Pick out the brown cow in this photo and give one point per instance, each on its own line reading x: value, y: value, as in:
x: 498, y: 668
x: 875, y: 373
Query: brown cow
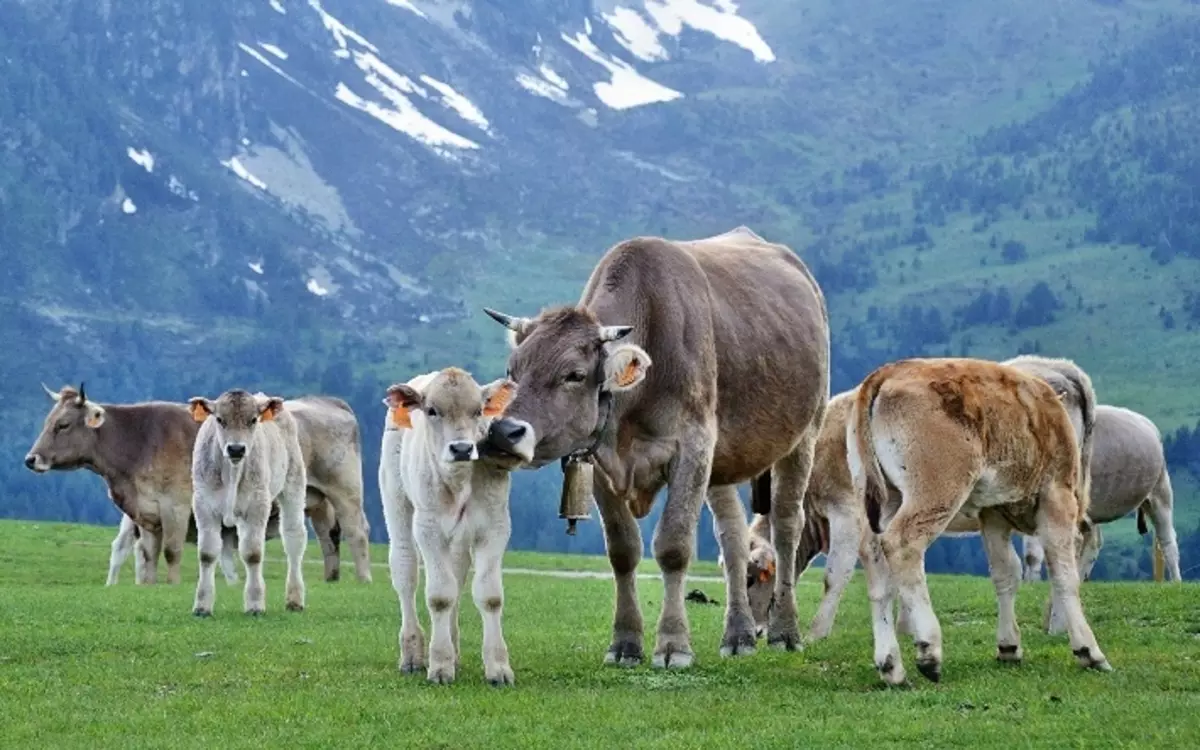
x: 982, y: 439
x: 738, y: 334
x: 143, y: 452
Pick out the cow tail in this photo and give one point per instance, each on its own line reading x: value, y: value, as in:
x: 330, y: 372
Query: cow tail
x: 1087, y: 408
x: 876, y: 487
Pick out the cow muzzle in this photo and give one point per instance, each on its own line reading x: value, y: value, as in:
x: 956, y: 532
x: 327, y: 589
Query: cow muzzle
x: 460, y: 450
x: 36, y: 463
x: 514, y: 437
x: 235, y: 451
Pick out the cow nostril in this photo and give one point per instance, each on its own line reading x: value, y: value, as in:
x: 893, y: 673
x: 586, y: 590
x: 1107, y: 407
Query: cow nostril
x: 515, y: 432
x: 462, y: 448
x: 30, y: 460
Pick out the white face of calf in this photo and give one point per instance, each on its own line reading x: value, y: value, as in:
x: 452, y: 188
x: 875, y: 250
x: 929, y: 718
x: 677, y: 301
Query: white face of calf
x: 237, y: 414
x: 454, y: 411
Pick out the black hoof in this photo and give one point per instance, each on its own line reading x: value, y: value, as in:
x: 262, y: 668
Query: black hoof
x: 624, y: 654
x: 255, y: 613
x: 202, y: 613
x: 931, y: 669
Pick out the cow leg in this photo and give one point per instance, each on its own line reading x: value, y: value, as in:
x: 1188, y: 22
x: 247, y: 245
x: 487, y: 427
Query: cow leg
x: 228, y: 544
x: 295, y: 535
x: 1005, y: 567
x: 252, y: 532
x: 402, y: 562
x: 675, y: 539
x: 208, y: 547
x: 348, y: 505
x: 174, y: 529
x: 321, y: 513
x: 882, y: 595
x: 441, y: 591
x: 729, y: 526
x: 1056, y: 528
x: 122, y: 545
x: 461, y: 564
x: 1034, y: 557
x: 488, y: 592
x: 789, y: 483
x: 845, y: 535
x: 623, y: 542
x: 1162, y: 501
x: 1087, y: 549
x: 149, y: 545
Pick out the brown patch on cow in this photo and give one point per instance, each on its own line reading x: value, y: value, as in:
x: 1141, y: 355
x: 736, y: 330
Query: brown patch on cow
x: 499, y: 400
x: 493, y: 604
x: 253, y: 558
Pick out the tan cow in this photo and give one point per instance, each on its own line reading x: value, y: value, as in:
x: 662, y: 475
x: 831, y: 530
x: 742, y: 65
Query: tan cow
x: 143, y: 453
x: 980, y: 438
x: 729, y: 377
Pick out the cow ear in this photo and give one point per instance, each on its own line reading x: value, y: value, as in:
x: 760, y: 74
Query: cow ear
x: 200, y: 408
x: 94, y: 417
x: 402, y: 399
x: 270, y: 409
x: 497, y: 396
x: 625, y: 367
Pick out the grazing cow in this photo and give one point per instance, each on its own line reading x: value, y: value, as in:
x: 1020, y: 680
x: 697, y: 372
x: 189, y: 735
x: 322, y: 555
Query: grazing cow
x: 982, y: 439
x: 143, y: 453
x: 737, y: 332
x: 437, y: 493
x: 246, y: 457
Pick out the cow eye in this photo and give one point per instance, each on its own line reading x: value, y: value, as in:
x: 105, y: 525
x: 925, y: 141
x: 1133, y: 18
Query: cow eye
x: 221, y: 421
x: 253, y: 421
x: 432, y: 412
x: 575, y: 377
x: 478, y: 413
x: 62, y: 426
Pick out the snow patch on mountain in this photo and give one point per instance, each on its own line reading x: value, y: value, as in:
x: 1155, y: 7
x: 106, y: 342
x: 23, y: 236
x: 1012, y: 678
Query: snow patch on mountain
x: 627, y: 87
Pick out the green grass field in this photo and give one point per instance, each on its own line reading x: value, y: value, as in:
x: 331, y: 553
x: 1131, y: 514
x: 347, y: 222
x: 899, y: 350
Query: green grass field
x: 82, y: 665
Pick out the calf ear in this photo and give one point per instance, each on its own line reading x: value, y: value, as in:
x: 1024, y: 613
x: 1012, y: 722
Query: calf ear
x: 200, y: 408
x: 270, y: 409
x: 402, y: 399
x: 95, y: 416
x: 625, y: 367
x: 497, y: 396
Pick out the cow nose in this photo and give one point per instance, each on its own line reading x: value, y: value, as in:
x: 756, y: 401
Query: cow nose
x: 513, y: 431
x: 236, y: 451
x: 461, y: 450
x: 30, y: 461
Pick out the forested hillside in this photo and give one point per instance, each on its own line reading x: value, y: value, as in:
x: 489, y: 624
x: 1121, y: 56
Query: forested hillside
x: 197, y: 198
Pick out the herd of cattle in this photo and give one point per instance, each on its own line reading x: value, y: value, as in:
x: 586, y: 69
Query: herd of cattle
x: 727, y: 383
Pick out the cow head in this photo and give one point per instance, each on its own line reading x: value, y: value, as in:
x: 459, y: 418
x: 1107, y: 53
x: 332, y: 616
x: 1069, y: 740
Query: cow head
x: 562, y: 361
x: 454, y: 410
x: 69, y: 435
x: 237, y: 414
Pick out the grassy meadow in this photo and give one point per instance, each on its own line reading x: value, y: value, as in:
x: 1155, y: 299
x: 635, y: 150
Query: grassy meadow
x: 82, y: 665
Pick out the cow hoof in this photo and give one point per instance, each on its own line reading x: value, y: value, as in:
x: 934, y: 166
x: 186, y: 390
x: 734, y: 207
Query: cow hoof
x: 785, y: 642
x: 441, y: 675
x: 931, y: 669
x: 255, y: 612
x: 1008, y: 654
x: 624, y: 654
x: 891, y: 671
x: 672, y: 659
x: 501, y: 676
x: 741, y: 644
x: 295, y: 607
x: 333, y: 576
x: 201, y: 612
x: 411, y: 665
x: 1088, y: 661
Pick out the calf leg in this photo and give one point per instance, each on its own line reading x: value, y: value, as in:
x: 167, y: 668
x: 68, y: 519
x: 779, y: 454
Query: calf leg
x: 1005, y: 567
x: 1057, y: 520
x: 208, y: 547
x: 122, y: 545
x: 789, y: 483
x: 1162, y: 501
x: 252, y: 532
x: 623, y: 542
x: 295, y: 536
x: 882, y: 596
x: 674, y: 541
x: 402, y: 561
x: 441, y: 591
x: 845, y: 535
x: 729, y: 526
x: 321, y: 513
x: 1087, y: 549
x: 348, y: 505
x: 175, y: 526
x: 488, y: 592
x: 1034, y: 557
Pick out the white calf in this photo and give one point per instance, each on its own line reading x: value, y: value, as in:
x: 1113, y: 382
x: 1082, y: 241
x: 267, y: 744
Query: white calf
x: 437, y: 493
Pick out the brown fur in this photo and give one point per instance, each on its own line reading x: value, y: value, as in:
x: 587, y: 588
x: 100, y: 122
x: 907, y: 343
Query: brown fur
x: 981, y: 438
x: 737, y: 333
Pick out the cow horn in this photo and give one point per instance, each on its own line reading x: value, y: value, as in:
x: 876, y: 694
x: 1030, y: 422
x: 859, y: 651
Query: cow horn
x: 81, y: 399
x: 50, y: 393
x: 513, y: 324
x: 612, y: 333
